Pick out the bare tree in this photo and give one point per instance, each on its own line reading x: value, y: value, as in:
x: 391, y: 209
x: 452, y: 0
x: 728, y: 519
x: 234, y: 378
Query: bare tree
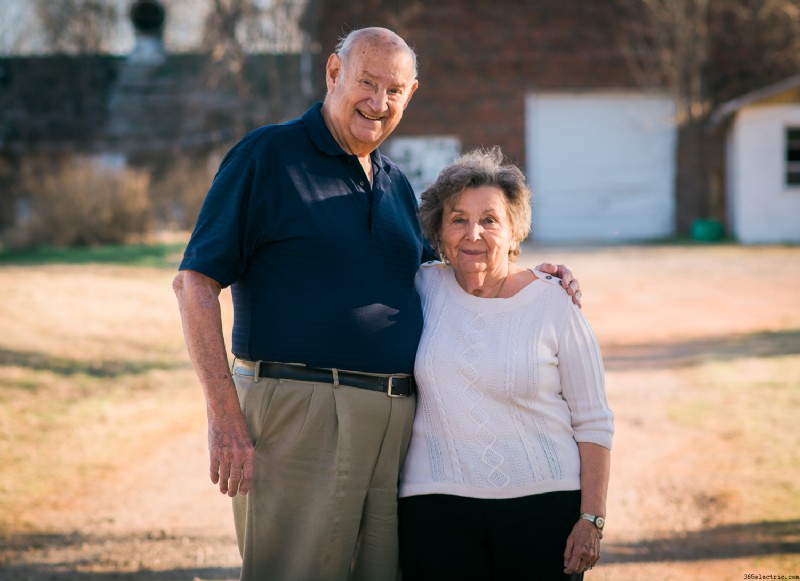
x: 755, y: 43
x: 694, y: 47
x: 275, y: 29
x: 77, y: 26
x: 227, y: 54
x: 668, y: 42
x: 705, y: 52
x: 13, y: 17
x: 237, y: 29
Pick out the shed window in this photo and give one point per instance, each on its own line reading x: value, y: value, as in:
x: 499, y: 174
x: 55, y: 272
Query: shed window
x: 793, y: 156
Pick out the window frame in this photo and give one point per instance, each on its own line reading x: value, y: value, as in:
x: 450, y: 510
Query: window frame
x: 791, y: 156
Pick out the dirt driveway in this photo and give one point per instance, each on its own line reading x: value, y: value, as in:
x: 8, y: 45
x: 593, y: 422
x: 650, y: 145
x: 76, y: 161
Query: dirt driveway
x: 702, y: 348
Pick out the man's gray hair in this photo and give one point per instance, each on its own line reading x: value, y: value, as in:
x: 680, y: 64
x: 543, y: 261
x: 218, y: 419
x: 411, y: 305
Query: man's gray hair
x: 348, y: 40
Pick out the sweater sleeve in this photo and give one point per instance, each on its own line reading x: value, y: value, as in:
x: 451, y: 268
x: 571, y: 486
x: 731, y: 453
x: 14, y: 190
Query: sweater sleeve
x: 580, y: 367
x: 425, y: 278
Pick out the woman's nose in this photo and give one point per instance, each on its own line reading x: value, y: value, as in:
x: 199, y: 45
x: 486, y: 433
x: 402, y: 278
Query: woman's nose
x: 474, y: 232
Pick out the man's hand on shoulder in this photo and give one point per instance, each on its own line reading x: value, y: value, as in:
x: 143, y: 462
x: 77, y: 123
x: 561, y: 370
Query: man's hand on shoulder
x: 568, y: 282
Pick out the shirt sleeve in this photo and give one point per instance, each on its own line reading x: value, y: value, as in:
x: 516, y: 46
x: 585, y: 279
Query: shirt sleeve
x: 580, y: 367
x: 219, y: 244
x: 428, y: 253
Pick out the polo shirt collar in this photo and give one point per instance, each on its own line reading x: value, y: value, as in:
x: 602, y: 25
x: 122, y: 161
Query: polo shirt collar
x: 321, y: 137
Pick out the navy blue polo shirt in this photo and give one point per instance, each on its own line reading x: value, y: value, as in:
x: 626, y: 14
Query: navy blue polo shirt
x: 321, y: 265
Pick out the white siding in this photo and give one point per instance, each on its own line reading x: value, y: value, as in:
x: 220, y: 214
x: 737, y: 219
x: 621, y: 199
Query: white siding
x: 602, y: 166
x: 763, y: 208
x: 422, y: 158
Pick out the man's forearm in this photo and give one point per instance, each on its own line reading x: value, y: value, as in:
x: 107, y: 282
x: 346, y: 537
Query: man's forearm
x: 198, y: 301
x: 229, y: 444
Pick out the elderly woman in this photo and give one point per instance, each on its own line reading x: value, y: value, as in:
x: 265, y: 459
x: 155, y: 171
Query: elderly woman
x: 507, y: 472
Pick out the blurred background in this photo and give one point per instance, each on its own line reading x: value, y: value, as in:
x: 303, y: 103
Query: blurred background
x: 662, y: 141
x: 634, y: 119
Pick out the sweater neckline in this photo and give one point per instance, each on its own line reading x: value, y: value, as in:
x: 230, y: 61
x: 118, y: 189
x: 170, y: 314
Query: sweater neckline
x: 525, y: 295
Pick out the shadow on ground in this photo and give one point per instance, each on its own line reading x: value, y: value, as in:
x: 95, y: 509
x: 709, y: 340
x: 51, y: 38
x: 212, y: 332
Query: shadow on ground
x: 724, y: 542
x: 75, y: 556
x: 60, y: 573
x: 93, y: 368
x: 690, y: 353
x: 145, y: 557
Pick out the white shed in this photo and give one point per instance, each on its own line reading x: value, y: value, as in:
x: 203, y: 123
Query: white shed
x: 602, y: 165
x: 763, y: 163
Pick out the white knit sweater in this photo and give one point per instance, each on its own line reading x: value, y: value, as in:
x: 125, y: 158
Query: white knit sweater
x: 507, y: 387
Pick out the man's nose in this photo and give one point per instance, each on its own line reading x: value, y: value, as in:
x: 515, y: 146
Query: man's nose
x: 378, y: 100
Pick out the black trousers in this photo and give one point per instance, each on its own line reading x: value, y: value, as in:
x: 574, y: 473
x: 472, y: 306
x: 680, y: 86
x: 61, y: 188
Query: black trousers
x: 453, y: 538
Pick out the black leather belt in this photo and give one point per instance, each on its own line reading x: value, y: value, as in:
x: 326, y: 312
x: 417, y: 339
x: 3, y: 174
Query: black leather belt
x: 391, y: 385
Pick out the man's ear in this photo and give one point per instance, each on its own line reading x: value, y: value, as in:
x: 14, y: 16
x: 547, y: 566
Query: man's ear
x: 333, y: 71
x: 411, y: 92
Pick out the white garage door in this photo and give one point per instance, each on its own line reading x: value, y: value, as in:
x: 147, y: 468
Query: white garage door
x: 601, y: 165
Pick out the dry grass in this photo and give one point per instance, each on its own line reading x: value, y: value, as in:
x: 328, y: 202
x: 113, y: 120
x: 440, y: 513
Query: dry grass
x: 702, y: 349
x: 89, y: 355
x: 702, y: 346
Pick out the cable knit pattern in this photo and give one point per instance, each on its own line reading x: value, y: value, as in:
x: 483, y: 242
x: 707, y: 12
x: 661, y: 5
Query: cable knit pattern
x: 483, y: 435
x: 507, y: 389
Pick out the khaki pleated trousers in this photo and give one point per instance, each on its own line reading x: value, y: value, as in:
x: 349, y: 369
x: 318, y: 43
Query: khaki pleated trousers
x: 323, y: 503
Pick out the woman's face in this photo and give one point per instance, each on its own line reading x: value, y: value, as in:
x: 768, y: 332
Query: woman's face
x: 476, y: 233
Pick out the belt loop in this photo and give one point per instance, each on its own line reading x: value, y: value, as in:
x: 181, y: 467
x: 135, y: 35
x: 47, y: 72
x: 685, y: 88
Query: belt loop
x: 233, y: 366
x: 335, y: 378
x: 257, y: 372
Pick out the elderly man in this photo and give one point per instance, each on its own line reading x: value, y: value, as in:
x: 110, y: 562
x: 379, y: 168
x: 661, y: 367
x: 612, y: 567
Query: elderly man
x: 316, y: 232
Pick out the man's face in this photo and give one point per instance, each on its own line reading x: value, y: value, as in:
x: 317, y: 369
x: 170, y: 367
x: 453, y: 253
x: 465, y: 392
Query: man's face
x: 367, y: 95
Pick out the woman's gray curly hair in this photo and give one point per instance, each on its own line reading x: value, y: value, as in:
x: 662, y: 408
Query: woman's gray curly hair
x: 477, y: 168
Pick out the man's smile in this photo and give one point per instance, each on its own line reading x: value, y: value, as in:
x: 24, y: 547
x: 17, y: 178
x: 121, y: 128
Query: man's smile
x: 369, y: 117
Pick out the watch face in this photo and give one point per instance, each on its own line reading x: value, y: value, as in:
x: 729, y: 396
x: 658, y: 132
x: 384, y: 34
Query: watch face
x: 599, y: 522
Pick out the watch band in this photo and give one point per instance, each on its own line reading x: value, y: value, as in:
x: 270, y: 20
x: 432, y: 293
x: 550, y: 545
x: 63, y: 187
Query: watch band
x: 598, y: 521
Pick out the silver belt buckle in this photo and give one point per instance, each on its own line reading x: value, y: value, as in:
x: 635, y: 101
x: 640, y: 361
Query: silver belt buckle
x: 243, y: 367
x: 391, y: 385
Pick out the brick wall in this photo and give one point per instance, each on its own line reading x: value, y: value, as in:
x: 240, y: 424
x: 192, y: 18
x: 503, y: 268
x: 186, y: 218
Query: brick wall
x: 479, y: 60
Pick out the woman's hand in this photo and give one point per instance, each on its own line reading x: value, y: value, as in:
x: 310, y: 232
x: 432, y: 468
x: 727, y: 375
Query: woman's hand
x: 568, y: 282
x: 583, y: 547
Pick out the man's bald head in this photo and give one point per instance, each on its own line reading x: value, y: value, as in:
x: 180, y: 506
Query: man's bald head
x: 370, y: 39
x: 370, y: 79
